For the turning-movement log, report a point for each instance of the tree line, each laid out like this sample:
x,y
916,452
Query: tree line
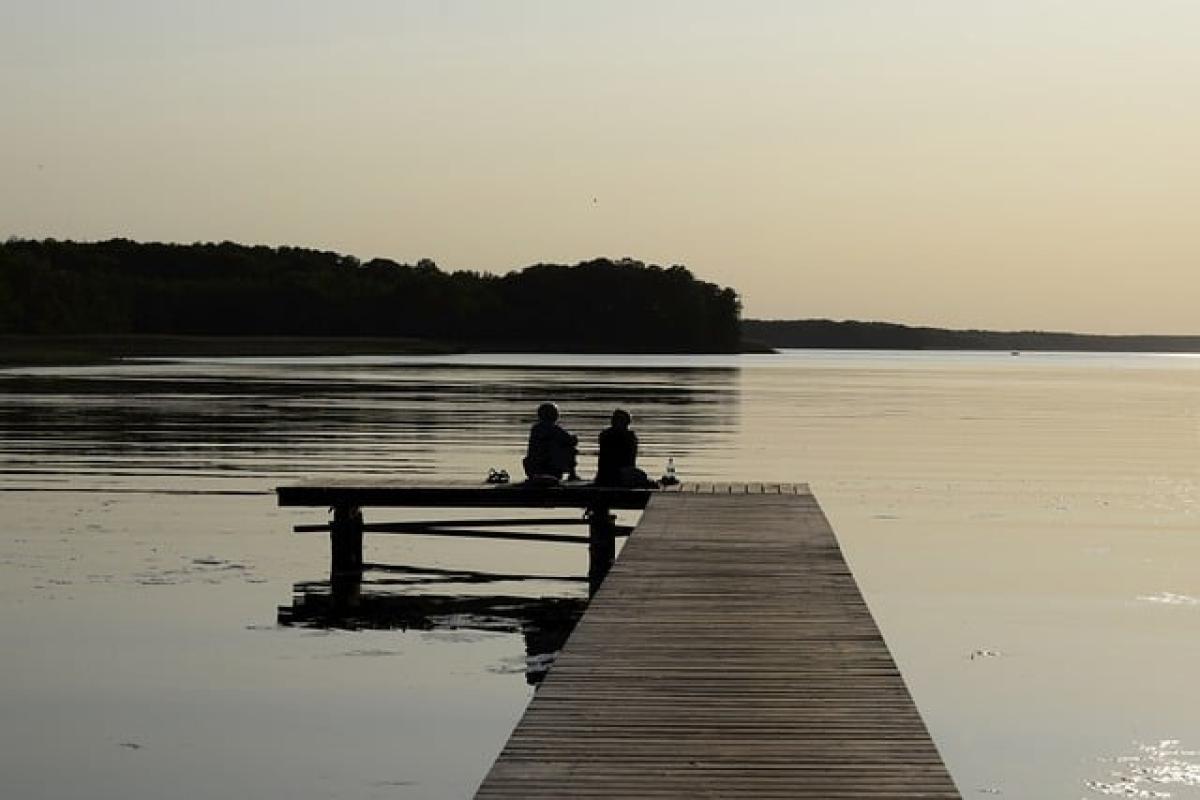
x,y
122,287
854,335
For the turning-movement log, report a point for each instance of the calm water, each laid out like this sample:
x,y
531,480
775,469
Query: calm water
x,y
1023,527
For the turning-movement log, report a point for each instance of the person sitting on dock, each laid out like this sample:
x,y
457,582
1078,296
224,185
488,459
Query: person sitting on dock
x,y
618,455
552,449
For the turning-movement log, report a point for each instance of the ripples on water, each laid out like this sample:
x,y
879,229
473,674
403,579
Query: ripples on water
x,y
142,486
1160,770
1023,529
266,421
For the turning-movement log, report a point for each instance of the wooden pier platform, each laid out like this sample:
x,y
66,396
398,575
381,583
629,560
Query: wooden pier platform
x,y
463,494
729,653
348,498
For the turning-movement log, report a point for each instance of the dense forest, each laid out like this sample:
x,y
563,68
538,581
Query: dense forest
x,y
121,287
818,333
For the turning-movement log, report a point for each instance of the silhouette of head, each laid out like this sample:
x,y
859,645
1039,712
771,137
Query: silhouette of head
x,y
621,418
548,412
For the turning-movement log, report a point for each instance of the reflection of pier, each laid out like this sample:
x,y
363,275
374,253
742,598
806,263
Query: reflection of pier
x,y
728,654
402,601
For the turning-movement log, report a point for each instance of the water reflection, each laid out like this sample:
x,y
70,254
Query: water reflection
x,y
131,422
1048,500
1159,770
403,601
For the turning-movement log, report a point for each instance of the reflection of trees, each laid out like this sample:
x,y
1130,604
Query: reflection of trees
x,y
409,419
392,604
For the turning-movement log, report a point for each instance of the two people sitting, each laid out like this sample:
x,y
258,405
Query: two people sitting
x,y
553,452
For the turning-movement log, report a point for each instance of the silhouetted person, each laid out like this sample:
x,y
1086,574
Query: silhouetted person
x,y
552,450
618,455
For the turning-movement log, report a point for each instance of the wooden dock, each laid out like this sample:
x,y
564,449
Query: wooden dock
x,y
727,654
347,499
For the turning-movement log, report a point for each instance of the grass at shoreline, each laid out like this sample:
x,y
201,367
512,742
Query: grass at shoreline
x,y
65,350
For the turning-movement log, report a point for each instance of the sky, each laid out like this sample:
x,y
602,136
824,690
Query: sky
x,y
1019,164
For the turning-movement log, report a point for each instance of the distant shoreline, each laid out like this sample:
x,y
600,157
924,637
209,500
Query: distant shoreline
x,y
49,350
814,335
855,335
68,350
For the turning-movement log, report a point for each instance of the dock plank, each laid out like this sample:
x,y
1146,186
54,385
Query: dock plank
x,y
391,493
729,653
402,494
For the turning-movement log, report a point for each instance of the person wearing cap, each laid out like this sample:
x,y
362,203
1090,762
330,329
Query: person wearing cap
x,y
552,449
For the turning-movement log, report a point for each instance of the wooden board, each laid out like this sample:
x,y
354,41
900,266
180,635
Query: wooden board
x,y
729,653
394,494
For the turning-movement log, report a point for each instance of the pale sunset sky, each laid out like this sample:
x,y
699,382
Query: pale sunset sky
x,y
1008,164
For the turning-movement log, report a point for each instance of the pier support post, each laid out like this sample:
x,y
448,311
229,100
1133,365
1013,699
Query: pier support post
x,y
345,539
602,546
345,594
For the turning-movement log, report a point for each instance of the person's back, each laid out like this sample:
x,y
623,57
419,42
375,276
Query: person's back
x,y
617,465
551,450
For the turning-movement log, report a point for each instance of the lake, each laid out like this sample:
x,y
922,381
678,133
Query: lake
x,y
1024,528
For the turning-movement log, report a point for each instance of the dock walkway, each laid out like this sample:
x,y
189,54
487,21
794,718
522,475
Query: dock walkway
x,y
728,653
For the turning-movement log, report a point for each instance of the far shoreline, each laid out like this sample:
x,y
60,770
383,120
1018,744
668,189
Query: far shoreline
x,y
825,334
30,350
81,349
50,350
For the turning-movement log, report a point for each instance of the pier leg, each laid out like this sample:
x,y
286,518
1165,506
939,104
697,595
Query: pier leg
x,y
602,546
345,539
345,593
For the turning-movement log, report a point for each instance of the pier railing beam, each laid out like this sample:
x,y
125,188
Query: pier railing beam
x,y
602,545
346,539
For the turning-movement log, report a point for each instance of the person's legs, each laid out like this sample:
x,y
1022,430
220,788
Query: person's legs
x,y
564,461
